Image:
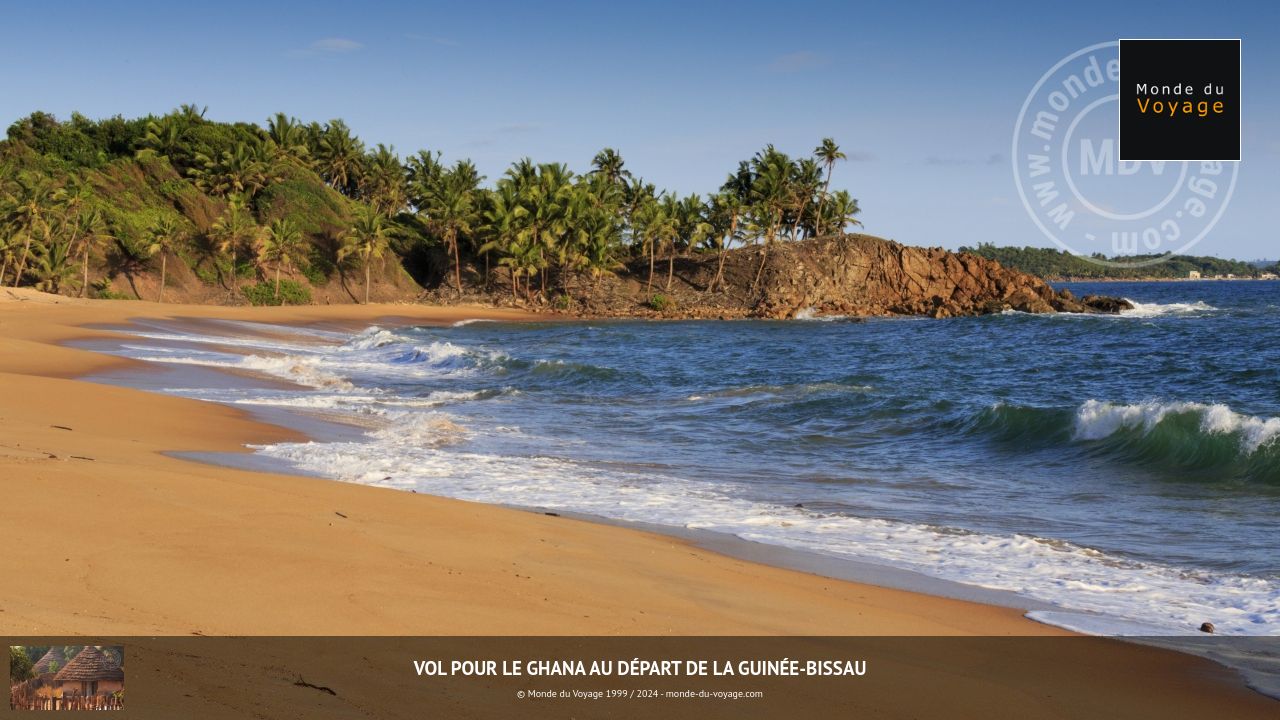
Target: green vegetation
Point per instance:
(19, 664)
(280, 292)
(1056, 265)
(86, 202)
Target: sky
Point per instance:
(922, 96)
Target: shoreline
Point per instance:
(244, 529)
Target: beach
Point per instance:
(135, 541)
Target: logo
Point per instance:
(1082, 196)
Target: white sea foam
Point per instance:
(417, 444)
(427, 457)
(1096, 420)
(1147, 310)
(810, 313)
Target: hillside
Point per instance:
(182, 208)
(1052, 264)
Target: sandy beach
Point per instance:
(124, 539)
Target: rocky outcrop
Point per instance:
(849, 275)
(863, 275)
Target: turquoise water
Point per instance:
(1127, 468)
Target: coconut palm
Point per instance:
(367, 240)
(806, 175)
(839, 213)
(53, 266)
(608, 164)
(452, 209)
(725, 211)
(280, 245)
(287, 139)
(340, 156)
(231, 232)
(163, 137)
(501, 224)
(91, 230)
(30, 213)
(164, 235)
(827, 153)
(383, 181)
(243, 170)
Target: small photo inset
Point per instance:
(66, 677)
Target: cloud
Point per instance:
(797, 62)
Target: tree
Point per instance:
(725, 211)
(608, 164)
(451, 208)
(165, 232)
(29, 214)
(340, 156)
(502, 216)
(19, 664)
(230, 232)
(287, 140)
(91, 230)
(367, 240)
(53, 266)
(827, 153)
(280, 246)
(839, 213)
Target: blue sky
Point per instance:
(923, 96)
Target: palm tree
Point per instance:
(839, 213)
(726, 209)
(34, 203)
(502, 217)
(341, 155)
(827, 153)
(383, 182)
(451, 210)
(280, 245)
(230, 232)
(164, 234)
(771, 191)
(163, 137)
(806, 174)
(287, 139)
(244, 170)
(91, 229)
(608, 164)
(53, 266)
(367, 240)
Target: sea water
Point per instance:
(1123, 468)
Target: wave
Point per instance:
(1148, 310)
(811, 314)
(753, 392)
(1211, 440)
(433, 456)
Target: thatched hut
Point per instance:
(51, 662)
(91, 672)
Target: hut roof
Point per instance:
(91, 664)
(42, 665)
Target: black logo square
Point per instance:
(1179, 100)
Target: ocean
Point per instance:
(1122, 469)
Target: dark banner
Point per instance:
(639, 677)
